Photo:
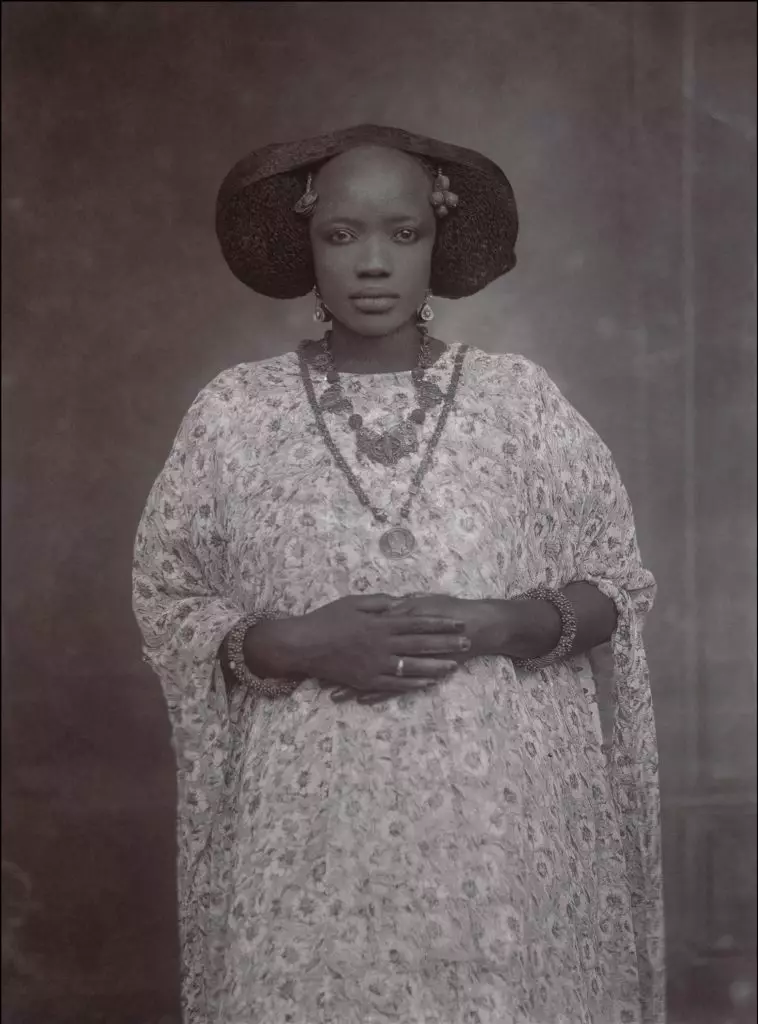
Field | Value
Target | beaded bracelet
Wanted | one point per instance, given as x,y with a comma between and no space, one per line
568,628
234,643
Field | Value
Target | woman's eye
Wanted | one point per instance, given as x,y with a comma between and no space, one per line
407,235
340,236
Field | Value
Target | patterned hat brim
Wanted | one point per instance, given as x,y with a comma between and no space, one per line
267,245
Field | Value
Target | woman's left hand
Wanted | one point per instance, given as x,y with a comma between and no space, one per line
473,613
477,615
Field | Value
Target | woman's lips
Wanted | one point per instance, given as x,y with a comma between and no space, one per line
374,303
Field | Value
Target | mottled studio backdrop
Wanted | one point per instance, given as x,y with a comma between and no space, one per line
628,131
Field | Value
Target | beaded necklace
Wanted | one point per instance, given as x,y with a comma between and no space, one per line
388,447
398,541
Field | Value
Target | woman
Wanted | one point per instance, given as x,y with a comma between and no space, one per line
369,577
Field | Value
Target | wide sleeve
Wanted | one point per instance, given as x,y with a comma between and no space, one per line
607,555
184,609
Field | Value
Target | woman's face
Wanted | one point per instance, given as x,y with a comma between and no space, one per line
372,234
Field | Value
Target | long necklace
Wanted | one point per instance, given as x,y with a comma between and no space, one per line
399,541
401,440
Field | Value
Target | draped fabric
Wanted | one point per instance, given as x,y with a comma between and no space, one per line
477,852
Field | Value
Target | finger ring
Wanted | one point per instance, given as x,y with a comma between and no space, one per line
399,669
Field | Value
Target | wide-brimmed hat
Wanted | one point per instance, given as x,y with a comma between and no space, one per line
267,245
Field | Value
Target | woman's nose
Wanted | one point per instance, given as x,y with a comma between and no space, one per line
374,260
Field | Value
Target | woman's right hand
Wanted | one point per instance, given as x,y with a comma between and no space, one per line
350,644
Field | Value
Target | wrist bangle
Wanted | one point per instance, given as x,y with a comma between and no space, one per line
235,644
568,628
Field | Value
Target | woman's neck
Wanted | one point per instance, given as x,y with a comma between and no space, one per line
391,353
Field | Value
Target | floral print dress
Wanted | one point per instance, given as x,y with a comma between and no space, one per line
471,854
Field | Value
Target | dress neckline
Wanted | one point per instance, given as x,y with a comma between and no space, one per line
440,362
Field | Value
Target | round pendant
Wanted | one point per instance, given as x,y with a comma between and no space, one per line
397,543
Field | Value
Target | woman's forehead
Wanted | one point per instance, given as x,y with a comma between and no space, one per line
373,171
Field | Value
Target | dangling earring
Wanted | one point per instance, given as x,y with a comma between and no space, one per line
426,313
320,314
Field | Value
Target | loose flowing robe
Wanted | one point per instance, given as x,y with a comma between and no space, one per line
471,854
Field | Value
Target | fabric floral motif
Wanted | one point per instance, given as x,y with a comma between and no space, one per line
485,852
